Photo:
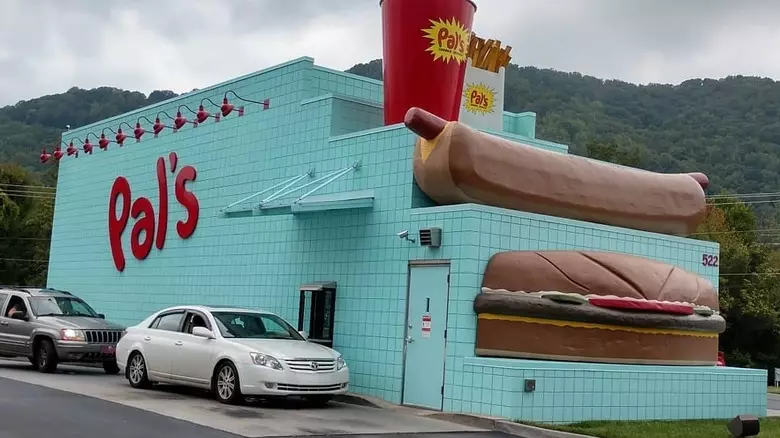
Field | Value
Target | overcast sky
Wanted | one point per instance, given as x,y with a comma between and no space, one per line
48,46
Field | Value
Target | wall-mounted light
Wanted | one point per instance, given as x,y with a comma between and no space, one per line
201,115
45,156
87,146
120,135
180,120
71,150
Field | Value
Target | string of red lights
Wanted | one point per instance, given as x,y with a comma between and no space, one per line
179,121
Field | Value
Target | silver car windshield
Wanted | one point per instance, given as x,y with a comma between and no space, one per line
60,306
255,326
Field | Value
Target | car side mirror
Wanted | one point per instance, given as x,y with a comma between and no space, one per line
101,316
21,316
202,332
304,334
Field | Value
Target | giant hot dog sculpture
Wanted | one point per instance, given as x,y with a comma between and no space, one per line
590,306
456,164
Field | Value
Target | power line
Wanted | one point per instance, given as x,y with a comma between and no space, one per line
27,186
23,260
745,195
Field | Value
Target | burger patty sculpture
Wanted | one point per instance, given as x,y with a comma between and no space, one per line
575,305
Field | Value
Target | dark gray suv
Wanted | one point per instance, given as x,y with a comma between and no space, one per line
51,326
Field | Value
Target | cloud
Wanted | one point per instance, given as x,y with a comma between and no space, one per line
48,46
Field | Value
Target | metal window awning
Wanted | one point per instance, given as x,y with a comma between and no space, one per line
318,286
335,201
308,201
284,185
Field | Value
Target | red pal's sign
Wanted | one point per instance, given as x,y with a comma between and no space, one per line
145,231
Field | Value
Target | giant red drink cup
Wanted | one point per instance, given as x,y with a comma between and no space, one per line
425,46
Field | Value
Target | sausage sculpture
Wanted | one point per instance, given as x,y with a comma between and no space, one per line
455,164
590,306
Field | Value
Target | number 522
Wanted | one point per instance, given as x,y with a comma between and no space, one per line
709,260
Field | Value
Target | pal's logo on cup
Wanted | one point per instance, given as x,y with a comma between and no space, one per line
449,40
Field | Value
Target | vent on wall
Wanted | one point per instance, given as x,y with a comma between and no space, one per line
430,237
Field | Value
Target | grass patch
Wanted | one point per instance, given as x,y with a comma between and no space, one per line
770,427
773,390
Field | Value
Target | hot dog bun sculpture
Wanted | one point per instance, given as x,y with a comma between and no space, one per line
575,305
455,164
596,307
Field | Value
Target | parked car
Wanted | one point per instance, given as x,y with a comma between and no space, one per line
232,352
51,326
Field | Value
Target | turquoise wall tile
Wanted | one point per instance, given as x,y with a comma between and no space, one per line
323,121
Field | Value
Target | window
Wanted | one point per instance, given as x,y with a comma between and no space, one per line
195,320
168,322
15,304
254,325
60,306
3,297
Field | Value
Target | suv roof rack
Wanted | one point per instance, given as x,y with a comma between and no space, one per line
56,291
15,288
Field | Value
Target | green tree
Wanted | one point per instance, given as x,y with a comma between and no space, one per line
749,288
26,211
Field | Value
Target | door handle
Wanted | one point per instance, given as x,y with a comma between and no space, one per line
147,338
409,340
178,343
3,322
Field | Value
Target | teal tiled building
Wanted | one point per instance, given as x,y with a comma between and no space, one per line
333,206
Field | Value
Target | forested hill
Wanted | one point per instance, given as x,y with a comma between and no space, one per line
727,128
29,124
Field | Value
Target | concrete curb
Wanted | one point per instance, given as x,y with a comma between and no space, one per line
475,421
505,426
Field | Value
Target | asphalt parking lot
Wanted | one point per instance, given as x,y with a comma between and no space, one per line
255,419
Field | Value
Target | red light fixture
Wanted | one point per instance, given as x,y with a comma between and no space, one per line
88,146
58,153
138,132
103,141
179,121
71,150
202,115
45,156
158,124
228,107
120,135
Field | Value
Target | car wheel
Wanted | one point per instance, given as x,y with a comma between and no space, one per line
46,357
136,371
110,367
227,388
318,400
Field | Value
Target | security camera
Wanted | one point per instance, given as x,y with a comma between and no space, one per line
404,235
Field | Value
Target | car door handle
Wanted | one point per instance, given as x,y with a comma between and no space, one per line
3,322
147,338
178,343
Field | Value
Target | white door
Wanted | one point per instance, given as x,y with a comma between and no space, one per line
158,342
191,355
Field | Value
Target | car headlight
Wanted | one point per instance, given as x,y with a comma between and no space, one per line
72,335
340,363
265,360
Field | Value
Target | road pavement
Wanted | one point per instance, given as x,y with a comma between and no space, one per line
773,405
256,419
35,411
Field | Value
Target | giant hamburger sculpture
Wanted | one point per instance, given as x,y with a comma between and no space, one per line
575,305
